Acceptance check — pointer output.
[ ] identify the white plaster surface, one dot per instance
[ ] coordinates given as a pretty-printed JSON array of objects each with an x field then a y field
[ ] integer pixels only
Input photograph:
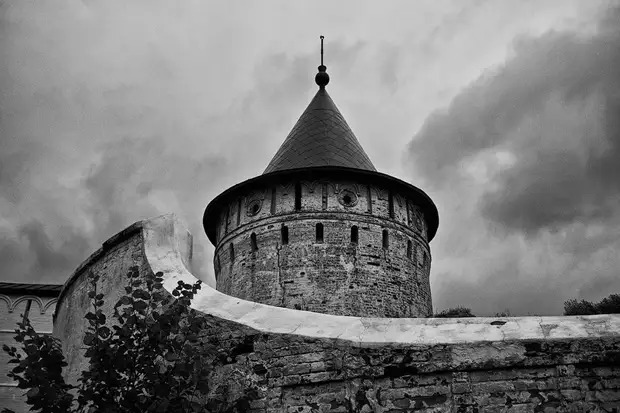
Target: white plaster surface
[{"x": 166, "y": 248}]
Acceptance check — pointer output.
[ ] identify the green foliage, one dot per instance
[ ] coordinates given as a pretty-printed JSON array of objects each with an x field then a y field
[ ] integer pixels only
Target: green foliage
[
  {"x": 152, "y": 357},
  {"x": 456, "y": 312},
  {"x": 608, "y": 305}
]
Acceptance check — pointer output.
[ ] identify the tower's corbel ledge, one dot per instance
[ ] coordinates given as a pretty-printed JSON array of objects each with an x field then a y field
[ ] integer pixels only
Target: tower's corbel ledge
[{"x": 163, "y": 235}]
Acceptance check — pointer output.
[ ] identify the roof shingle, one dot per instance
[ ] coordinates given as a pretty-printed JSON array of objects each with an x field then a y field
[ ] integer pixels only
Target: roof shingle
[{"x": 321, "y": 137}]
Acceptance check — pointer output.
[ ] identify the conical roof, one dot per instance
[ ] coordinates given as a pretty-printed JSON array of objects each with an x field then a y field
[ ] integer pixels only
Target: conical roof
[{"x": 321, "y": 137}]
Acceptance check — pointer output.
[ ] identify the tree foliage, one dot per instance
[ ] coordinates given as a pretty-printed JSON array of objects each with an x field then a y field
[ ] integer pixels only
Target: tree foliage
[
  {"x": 456, "y": 312},
  {"x": 608, "y": 305},
  {"x": 151, "y": 357},
  {"x": 505, "y": 313}
]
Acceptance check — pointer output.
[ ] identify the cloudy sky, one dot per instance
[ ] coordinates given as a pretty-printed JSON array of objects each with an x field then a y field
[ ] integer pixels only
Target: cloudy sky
[{"x": 505, "y": 112}]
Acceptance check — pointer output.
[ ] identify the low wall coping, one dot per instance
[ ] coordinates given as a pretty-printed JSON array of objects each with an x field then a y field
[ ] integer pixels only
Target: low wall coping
[{"x": 162, "y": 236}]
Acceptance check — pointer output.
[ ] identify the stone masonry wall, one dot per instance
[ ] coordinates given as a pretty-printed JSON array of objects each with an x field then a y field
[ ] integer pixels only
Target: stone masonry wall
[
  {"x": 112, "y": 262},
  {"x": 309, "y": 362},
  {"x": 303, "y": 374},
  {"x": 333, "y": 275}
]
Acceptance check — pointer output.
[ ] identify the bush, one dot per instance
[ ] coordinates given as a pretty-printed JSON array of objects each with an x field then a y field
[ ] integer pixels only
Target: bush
[
  {"x": 608, "y": 305},
  {"x": 152, "y": 358},
  {"x": 583, "y": 307},
  {"x": 505, "y": 313},
  {"x": 456, "y": 312}
]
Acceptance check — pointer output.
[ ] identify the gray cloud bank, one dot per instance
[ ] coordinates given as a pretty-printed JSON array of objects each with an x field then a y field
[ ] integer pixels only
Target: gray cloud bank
[
  {"x": 554, "y": 107},
  {"x": 535, "y": 144},
  {"x": 115, "y": 112}
]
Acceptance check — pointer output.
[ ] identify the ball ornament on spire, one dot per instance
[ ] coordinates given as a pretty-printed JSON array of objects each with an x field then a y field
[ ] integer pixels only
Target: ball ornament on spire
[{"x": 322, "y": 78}]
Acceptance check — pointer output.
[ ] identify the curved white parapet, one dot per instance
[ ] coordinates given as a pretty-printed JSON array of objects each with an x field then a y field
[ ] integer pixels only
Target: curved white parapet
[{"x": 167, "y": 248}]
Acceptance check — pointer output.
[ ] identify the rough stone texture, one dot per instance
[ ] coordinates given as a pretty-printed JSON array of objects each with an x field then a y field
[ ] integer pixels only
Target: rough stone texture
[
  {"x": 112, "y": 262},
  {"x": 312, "y": 362},
  {"x": 335, "y": 275}
]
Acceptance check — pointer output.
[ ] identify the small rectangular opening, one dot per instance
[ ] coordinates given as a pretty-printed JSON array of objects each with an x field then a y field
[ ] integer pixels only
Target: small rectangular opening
[
  {"x": 319, "y": 232},
  {"x": 391, "y": 204},
  {"x": 253, "y": 242},
  {"x": 297, "y": 196},
  {"x": 409, "y": 249},
  {"x": 386, "y": 239},
  {"x": 369, "y": 198},
  {"x": 284, "y": 234},
  {"x": 354, "y": 234},
  {"x": 232, "y": 252}
]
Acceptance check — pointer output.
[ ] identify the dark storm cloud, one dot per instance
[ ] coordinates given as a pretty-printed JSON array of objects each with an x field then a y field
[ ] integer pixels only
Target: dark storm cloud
[
  {"x": 48, "y": 258},
  {"x": 554, "y": 105},
  {"x": 92, "y": 142}
]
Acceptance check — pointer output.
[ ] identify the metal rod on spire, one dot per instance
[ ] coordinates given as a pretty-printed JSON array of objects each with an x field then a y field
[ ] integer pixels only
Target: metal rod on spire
[{"x": 322, "y": 78}]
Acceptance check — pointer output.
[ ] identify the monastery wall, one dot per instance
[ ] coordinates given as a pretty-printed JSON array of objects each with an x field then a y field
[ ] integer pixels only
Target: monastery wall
[
  {"x": 336, "y": 247},
  {"x": 12, "y": 306},
  {"x": 310, "y": 362}
]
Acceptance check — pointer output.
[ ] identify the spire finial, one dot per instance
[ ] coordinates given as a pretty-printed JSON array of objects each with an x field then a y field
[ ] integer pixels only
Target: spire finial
[{"x": 322, "y": 78}]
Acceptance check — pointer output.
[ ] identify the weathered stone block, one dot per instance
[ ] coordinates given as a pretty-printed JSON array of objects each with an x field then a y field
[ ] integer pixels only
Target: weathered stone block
[
  {"x": 603, "y": 396},
  {"x": 492, "y": 387},
  {"x": 458, "y": 388}
]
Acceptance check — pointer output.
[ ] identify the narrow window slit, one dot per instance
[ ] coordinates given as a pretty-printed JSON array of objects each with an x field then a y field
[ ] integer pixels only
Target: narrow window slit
[
  {"x": 284, "y": 234},
  {"x": 253, "y": 242},
  {"x": 386, "y": 239},
  {"x": 354, "y": 234},
  {"x": 319, "y": 232},
  {"x": 409, "y": 249},
  {"x": 391, "y": 204},
  {"x": 232, "y": 252}
]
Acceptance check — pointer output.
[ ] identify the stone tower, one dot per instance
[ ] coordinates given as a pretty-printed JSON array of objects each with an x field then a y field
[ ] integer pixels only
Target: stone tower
[{"x": 321, "y": 230}]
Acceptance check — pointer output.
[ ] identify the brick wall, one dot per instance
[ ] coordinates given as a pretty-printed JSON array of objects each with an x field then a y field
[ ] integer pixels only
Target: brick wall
[
  {"x": 304, "y": 374},
  {"x": 333, "y": 275},
  {"x": 309, "y": 362}
]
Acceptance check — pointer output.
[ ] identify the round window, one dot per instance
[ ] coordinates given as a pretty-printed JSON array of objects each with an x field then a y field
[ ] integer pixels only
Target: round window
[
  {"x": 253, "y": 207},
  {"x": 347, "y": 198}
]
